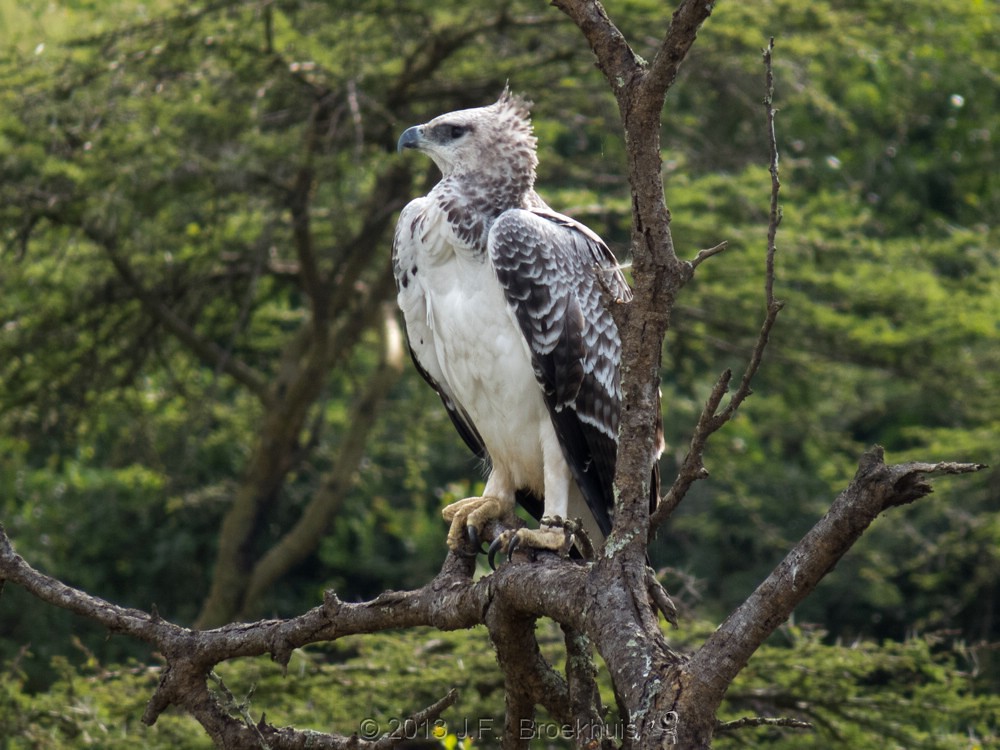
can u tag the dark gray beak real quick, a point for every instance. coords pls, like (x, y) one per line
(410, 138)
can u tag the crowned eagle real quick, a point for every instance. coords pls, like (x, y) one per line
(504, 306)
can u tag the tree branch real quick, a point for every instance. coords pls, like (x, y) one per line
(208, 351)
(761, 721)
(875, 488)
(711, 419)
(300, 541)
(681, 33)
(615, 57)
(507, 602)
(657, 272)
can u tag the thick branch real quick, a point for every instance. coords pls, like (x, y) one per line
(615, 58)
(517, 593)
(682, 32)
(875, 488)
(640, 90)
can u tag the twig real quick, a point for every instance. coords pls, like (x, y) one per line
(704, 255)
(242, 708)
(773, 306)
(712, 419)
(408, 728)
(761, 721)
(775, 213)
(692, 467)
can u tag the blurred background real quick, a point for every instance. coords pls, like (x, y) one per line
(203, 401)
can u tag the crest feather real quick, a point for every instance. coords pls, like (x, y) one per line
(516, 104)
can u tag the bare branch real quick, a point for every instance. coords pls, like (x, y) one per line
(704, 255)
(692, 468)
(409, 726)
(875, 488)
(508, 602)
(240, 707)
(712, 419)
(683, 30)
(773, 306)
(615, 57)
(761, 721)
(774, 216)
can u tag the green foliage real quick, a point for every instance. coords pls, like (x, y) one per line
(915, 693)
(367, 686)
(177, 131)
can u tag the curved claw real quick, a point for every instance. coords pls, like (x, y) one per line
(515, 542)
(472, 535)
(491, 553)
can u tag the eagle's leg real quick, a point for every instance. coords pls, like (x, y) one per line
(554, 534)
(467, 517)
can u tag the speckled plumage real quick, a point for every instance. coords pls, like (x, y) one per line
(502, 300)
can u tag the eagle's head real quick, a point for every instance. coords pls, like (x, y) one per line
(493, 142)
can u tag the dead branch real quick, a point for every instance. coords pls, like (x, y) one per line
(875, 488)
(761, 721)
(712, 419)
(507, 602)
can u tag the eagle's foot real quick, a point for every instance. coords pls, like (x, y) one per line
(554, 534)
(467, 518)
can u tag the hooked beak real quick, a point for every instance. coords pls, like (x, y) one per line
(410, 138)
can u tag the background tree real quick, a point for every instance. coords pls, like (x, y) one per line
(240, 140)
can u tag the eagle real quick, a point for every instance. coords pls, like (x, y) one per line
(505, 309)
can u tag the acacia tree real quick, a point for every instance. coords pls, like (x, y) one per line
(610, 603)
(209, 254)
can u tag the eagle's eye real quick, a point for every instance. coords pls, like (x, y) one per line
(457, 131)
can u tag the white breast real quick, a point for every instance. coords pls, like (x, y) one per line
(487, 365)
(462, 333)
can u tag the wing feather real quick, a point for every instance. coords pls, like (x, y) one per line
(554, 271)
